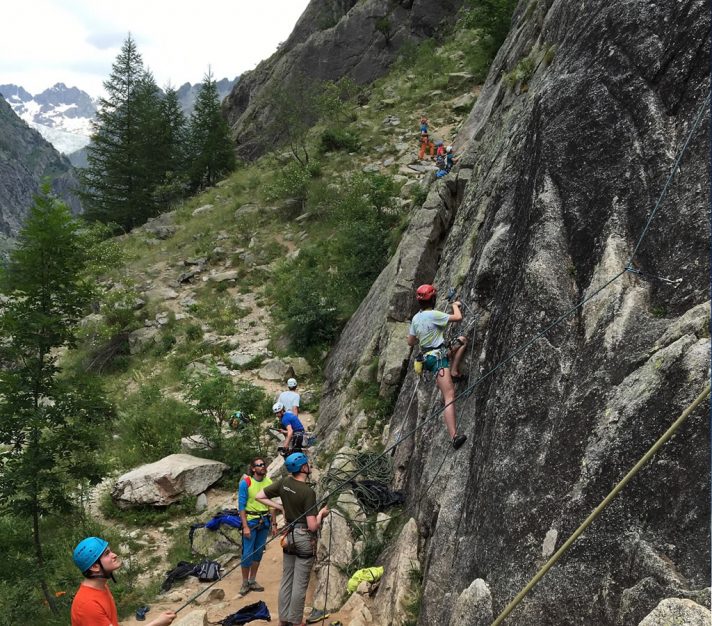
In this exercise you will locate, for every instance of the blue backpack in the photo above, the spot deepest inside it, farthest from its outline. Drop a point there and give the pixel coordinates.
(248, 613)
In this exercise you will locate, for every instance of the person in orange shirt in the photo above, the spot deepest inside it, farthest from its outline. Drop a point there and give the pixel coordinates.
(93, 603)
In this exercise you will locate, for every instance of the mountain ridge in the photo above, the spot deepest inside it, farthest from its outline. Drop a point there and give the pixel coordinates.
(63, 115)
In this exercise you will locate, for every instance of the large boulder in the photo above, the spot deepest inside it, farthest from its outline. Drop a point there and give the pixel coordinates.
(166, 481)
(673, 611)
(275, 369)
(212, 544)
(397, 585)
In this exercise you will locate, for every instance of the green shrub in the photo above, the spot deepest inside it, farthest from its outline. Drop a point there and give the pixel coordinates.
(194, 332)
(151, 426)
(334, 139)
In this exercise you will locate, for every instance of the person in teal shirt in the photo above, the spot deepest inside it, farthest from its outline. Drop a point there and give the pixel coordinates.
(427, 328)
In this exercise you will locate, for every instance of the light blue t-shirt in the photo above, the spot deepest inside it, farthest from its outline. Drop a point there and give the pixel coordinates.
(289, 399)
(429, 327)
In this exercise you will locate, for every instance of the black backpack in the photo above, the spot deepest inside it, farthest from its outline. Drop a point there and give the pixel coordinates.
(179, 572)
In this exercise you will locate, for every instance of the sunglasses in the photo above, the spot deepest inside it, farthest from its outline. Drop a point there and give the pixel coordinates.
(258, 465)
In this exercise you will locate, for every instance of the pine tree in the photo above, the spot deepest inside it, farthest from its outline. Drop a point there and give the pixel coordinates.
(211, 151)
(49, 424)
(171, 149)
(120, 176)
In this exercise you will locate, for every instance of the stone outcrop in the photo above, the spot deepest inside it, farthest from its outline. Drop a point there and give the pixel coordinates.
(166, 481)
(675, 611)
(331, 40)
(561, 167)
(212, 544)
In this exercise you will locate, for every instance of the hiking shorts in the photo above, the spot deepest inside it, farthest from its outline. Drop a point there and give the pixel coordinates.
(435, 362)
(254, 547)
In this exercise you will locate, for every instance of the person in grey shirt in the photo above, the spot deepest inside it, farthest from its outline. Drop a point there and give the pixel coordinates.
(290, 398)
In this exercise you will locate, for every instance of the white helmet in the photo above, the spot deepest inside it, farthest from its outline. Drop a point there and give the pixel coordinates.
(291, 383)
(448, 149)
(277, 407)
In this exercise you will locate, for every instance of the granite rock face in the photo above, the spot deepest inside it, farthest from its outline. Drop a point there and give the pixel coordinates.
(559, 173)
(331, 40)
(26, 160)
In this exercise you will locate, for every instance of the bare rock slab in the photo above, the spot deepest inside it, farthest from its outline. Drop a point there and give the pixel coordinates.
(678, 611)
(196, 618)
(166, 481)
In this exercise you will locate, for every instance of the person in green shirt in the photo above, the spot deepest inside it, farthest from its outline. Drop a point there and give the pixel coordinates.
(298, 503)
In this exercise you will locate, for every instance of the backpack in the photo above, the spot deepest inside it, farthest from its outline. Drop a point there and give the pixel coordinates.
(258, 610)
(179, 572)
(207, 571)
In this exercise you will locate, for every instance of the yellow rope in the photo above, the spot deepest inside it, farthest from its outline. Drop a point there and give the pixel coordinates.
(607, 500)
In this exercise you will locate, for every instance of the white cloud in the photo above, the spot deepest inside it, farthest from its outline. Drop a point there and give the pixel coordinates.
(76, 41)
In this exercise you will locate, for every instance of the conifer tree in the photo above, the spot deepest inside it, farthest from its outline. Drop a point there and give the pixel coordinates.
(120, 176)
(211, 151)
(48, 424)
(172, 148)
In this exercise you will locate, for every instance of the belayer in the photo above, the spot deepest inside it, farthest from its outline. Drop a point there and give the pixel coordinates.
(93, 604)
(298, 504)
(427, 328)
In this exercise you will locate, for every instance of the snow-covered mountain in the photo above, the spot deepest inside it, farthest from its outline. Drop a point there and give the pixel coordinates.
(63, 115)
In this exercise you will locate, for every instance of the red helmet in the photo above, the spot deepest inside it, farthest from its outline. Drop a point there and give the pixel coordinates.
(425, 292)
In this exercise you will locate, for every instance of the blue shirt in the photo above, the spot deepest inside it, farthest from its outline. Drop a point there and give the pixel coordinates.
(289, 419)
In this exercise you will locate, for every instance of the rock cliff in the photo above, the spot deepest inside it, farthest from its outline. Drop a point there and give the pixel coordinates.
(26, 159)
(563, 159)
(331, 40)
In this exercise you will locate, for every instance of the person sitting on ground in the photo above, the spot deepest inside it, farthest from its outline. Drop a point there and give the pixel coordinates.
(290, 398)
(293, 429)
(257, 520)
(427, 328)
(298, 503)
(439, 149)
(93, 605)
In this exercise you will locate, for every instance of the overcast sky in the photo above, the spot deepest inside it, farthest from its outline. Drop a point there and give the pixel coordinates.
(43, 42)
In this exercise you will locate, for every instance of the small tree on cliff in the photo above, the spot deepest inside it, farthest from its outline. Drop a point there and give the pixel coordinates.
(49, 424)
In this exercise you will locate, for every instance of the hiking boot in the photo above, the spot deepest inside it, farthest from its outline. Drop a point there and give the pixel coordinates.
(458, 440)
(255, 586)
(245, 589)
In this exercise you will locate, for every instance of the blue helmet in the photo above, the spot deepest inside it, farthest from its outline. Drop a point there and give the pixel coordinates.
(88, 552)
(294, 462)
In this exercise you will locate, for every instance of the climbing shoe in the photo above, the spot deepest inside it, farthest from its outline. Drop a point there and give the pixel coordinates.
(317, 616)
(141, 613)
(255, 586)
(458, 440)
(245, 589)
